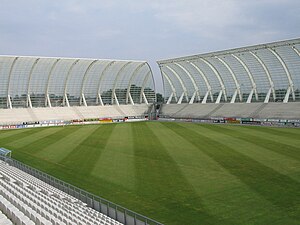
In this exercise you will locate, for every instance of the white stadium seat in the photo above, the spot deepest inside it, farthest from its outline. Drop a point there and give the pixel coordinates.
(26, 200)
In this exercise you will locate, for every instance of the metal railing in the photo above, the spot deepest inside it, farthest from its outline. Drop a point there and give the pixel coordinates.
(114, 211)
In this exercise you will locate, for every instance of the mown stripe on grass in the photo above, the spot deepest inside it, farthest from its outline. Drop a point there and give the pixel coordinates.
(264, 140)
(27, 133)
(7, 133)
(158, 179)
(116, 163)
(36, 144)
(280, 190)
(84, 157)
(56, 151)
(289, 133)
(21, 143)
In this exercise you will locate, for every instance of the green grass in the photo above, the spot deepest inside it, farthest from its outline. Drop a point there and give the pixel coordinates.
(176, 173)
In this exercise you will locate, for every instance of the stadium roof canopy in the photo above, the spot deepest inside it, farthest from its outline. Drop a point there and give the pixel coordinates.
(266, 72)
(48, 82)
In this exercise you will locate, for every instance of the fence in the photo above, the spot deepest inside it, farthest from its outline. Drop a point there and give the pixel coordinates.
(102, 205)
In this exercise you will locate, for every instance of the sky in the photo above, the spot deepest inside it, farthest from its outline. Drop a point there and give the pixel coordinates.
(142, 29)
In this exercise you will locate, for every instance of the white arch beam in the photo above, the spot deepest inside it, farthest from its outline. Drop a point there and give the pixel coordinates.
(296, 50)
(142, 94)
(238, 87)
(113, 94)
(28, 101)
(82, 98)
(99, 98)
(223, 89)
(135, 72)
(268, 76)
(9, 104)
(65, 98)
(253, 84)
(288, 75)
(193, 82)
(47, 98)
(172, 87)
(206, 82)
(182, 84)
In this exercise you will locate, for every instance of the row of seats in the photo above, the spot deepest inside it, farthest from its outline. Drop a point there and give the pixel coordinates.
(240, 110)
(26, 200)
(3, 218)
(19, 115)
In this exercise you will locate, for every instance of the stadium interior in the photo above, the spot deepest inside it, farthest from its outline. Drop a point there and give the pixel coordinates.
(258, 85)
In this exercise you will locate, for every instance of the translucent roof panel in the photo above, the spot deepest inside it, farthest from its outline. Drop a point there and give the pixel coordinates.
(5, 67)
(266, 72)
(64, 82)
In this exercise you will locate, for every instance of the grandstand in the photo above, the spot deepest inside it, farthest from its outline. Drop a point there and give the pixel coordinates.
(259, 81)
(28, 200)
(36, 89)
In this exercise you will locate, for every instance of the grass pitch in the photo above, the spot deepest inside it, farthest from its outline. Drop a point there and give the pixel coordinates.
(176, 173)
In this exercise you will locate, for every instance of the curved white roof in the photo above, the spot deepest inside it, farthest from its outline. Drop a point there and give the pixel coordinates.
(27, 81)
(266, 72)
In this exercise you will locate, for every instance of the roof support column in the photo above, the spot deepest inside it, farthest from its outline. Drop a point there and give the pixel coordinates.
(219, 97)
(181, 82)
(114, 96)
(116, 99)
(180, 99)
(206, 82)
(172, 87)
(65, 99)
(193, 98)
(268, 76)
(267, 99)
(28, 101)
(47, 100)
(130, 99)
(234, 96)
(99, 98)
(205, 97)
(238, 87)
(170, 98)
(223, 89)
(145, 99)
(193, 82)
(9, 103)
(254, 89)
(82, 98)
(135, 72)
(288, 75)
(249, 99)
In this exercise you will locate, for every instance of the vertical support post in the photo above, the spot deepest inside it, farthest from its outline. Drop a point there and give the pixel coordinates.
(145, 99)
(205, 98)
(219, 97)
(170, 98)
(249, 99)
(180, 99)
(130, 98)
(234, 96)
(267, 99)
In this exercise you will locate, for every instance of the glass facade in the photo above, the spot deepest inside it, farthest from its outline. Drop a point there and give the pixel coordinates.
(261, 73)
(27, 82)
